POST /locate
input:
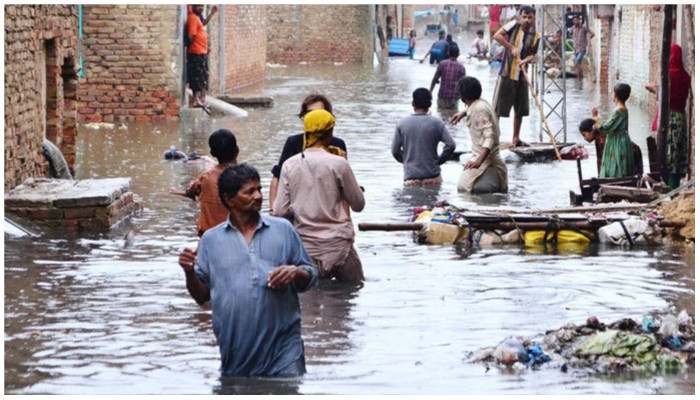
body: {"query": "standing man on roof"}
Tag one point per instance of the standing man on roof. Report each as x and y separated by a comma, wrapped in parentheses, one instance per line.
(197, 53)
(520, 39)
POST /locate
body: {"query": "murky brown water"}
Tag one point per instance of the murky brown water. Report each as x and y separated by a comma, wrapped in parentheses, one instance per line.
(84, 315)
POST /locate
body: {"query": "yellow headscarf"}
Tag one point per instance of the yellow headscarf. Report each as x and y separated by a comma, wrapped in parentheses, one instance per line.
(316, 124)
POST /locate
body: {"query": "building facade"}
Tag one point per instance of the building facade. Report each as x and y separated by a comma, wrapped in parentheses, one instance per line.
(337, 33)
(131, 63)
(41, 84)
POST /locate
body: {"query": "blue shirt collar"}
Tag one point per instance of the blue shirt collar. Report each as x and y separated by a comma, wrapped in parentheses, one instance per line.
(263, 221)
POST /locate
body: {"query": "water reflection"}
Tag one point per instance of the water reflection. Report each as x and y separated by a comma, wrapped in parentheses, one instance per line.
(328, 323)
(406, 198)
(257, 386)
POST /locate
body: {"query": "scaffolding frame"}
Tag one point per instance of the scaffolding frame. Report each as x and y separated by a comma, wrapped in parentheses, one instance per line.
(550, 20)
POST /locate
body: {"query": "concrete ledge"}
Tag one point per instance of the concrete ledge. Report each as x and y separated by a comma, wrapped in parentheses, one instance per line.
(264, 102)
(63, 193)
(89, 203)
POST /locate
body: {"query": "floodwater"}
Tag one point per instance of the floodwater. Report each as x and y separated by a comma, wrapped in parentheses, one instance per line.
(85, 314)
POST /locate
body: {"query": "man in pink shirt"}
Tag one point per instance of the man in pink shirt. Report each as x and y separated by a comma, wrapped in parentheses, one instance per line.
(316, 192)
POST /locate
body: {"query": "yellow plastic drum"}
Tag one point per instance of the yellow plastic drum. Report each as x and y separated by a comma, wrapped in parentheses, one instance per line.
(535, 238)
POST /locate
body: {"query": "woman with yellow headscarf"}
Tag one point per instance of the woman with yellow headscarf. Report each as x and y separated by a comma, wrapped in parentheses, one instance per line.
(317, 125)
(295, 143)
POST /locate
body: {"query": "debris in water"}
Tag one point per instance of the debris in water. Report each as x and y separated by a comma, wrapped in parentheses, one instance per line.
(622, 346)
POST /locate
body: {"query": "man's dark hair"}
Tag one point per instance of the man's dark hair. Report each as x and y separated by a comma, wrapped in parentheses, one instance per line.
(527, 10)
(422, 98)
(233, 178)
(469, 88)
(313, 98)
(480, 32)
(441, 35)
(622, 91)
(223, 145)
(586, 125)
(448, 38)
(453, 50)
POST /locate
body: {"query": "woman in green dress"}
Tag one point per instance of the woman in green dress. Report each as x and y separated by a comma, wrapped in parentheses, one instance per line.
(618, 157)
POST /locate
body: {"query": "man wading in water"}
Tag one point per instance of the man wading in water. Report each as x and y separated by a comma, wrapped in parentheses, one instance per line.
(485, 172)
(251, 268)
(416, 140)
(317, 190)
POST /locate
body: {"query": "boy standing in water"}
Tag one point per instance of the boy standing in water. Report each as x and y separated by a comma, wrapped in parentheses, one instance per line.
(211, 211)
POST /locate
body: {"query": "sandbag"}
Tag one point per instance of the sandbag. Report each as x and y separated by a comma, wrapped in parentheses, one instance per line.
(633, 230)
(487, 238)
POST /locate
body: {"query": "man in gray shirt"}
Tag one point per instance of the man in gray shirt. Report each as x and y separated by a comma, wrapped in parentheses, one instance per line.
(416, 140)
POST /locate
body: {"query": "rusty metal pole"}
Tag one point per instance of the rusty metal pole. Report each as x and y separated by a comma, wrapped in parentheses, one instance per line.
(665, 81)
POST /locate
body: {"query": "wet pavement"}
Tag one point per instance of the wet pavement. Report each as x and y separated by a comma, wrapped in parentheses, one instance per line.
(91, 313)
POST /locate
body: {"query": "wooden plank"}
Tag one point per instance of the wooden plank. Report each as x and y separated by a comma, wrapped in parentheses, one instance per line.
(408, 226)
(664, 87)
(593, 224)
(616, 193)
(653, 156)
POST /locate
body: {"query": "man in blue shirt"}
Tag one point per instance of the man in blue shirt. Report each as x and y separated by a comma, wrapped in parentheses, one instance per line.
(438, 51)
(251, 267)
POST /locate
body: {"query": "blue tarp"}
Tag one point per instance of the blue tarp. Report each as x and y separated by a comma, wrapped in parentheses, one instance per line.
(421, 14)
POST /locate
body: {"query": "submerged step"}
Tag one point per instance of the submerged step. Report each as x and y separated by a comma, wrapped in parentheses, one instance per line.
(239, 101)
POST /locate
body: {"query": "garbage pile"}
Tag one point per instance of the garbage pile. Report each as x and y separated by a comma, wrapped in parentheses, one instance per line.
(665, 345)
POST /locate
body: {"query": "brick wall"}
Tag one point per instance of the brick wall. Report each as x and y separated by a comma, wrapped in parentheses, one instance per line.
(213, 33)
(656, 26)
(128, 59)
(245, 45)
(319, 33)
(407, 11)
(40, 87)
(636, 57)
(604, 39)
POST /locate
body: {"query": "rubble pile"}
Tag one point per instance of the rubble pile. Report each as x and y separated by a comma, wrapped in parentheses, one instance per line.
(681, 209)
